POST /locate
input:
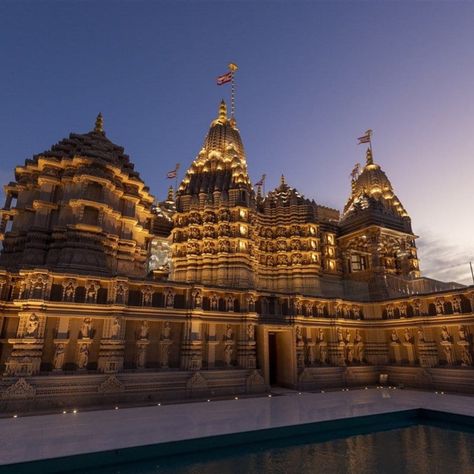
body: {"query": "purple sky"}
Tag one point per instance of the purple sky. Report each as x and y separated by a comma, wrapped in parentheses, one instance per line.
(312, 77)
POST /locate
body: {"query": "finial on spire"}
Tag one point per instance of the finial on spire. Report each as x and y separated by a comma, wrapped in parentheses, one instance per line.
(99, 124)
(223, 110)
(369, 157)
(170, 196)
(282, 180)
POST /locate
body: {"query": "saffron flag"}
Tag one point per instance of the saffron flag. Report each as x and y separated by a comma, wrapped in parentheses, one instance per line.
(365, 138)
(224, 79)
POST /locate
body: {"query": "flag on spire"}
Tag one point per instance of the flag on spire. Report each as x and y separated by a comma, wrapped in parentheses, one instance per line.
(260, 183)
(173, 174)
(366, 138)
(224, 79)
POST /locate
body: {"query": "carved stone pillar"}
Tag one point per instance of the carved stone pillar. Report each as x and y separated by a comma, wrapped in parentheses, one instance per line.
(25, 358)
(211, 345)
(165, 345)
(112, 346)
(191, 346)
(246, 351)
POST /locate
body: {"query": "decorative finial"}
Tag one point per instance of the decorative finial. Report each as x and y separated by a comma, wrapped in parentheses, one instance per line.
(99, 124)
(223, 110)
(369, 157)
(282, 180)
(170, 196)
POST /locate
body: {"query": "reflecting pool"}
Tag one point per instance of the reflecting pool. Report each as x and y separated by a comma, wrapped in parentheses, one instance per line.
(415, 449)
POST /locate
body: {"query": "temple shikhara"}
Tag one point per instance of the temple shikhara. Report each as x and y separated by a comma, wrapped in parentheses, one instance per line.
(107, 294)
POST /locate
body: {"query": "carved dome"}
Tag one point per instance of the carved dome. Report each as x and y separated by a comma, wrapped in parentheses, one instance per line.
(94, 145)
(373, 201)
(221, 164)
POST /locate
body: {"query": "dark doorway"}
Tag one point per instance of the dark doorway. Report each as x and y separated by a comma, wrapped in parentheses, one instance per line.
(272, 357)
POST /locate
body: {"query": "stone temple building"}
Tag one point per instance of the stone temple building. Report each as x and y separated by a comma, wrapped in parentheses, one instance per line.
(106, 295)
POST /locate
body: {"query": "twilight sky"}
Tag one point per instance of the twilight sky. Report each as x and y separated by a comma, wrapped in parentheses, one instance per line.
(313, 76)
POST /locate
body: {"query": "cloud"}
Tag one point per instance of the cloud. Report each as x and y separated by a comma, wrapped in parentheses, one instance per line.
(443, 260)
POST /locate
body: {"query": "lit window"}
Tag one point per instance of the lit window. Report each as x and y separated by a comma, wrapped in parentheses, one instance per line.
(358, 263)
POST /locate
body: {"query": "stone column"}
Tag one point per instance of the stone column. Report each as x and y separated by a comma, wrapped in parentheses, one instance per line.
(211, 346)
(165, 345)
(191, 345)
(112, 346)
(25, 358)
(246, 350)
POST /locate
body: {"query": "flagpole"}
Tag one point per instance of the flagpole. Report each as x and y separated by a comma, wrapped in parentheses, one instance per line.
(233, 68)
(472, 272)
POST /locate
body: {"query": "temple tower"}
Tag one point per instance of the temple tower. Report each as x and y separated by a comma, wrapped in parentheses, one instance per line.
(78, 207)
(214, 223)
(376, 239)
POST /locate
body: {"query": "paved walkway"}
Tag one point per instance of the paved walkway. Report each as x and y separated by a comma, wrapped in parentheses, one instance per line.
(48, 436)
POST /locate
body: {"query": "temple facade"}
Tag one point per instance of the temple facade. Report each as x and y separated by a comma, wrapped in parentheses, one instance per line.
(107, 295)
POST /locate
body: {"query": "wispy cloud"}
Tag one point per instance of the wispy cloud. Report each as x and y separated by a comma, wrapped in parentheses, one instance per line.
(444, 260)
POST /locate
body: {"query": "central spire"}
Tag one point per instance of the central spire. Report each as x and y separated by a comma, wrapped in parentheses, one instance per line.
(99, 124)
(222, 111)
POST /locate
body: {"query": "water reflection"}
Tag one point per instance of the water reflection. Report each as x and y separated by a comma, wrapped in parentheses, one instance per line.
(416, 449)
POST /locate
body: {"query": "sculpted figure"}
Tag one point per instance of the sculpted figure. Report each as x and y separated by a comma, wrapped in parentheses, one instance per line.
(421, 336)
(32, 325)
(340, 336)
(445, 336)
(169, 299)
(448, 351)
(228, 355)
(214, 303)
(86, 328)
(115, 330)
(251, 332)
(83, 356)
(69, 292)
(394, 336)
(320, 335)
(58, 361)
(462, 333)
(229, 334)
(147, 297)
(141, 357)
(166, 330)
(358, 337)
(299, 335)
(350, 355)
(120, 293)
(407, 336)
(323, 354)
(144, 330)
(348, 336)
(466, 358)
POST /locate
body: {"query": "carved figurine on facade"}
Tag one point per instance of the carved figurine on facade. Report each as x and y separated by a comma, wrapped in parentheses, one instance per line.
(394, 337)
(144, 330)
(58, 360)
(83, 359)
(86, 329)
(166, 334)
(69, 291)
(32, 326)
(115, 329)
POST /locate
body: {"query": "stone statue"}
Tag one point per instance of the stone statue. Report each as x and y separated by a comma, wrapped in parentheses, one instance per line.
(462, 333)
(394, 337)
(86, 328)
(144, 330)
(448, 352)
(340, 337)
(91, 294)
(421, 336)
(323, 354)
(115, 329)
(320, 335)
(214, 303)
(407, 336)
(466, 358)
(147, 297)
(119, 295)
(350, 355)
(229, 334)
(141, 356)
(228, 355)
(165, 355)
(166, 330)
(445, 336)
(251, 332)
(58, 361)
(69, 292)
(169, 299)
(83, 356)
(32, 326)
(299, 335)
(310, 355)
(358, 337)
(348, 337)
(198, 300)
